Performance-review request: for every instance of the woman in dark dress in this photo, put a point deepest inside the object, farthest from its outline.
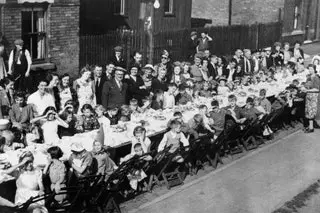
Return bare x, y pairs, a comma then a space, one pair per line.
136, 87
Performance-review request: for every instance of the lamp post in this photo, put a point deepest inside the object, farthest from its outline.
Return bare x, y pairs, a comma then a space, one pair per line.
149, 27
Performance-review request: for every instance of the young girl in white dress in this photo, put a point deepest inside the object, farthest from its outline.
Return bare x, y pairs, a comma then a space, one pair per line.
49, 123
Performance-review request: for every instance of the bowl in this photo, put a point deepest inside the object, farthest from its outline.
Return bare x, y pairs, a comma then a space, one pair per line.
4, 124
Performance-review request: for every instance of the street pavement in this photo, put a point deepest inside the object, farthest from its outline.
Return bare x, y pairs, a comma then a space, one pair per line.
257, 183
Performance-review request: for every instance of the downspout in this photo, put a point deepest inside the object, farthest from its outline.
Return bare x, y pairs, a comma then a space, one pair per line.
230, 13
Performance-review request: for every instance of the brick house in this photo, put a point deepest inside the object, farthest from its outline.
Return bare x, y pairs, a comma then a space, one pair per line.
101, 16
300, 18
49, 29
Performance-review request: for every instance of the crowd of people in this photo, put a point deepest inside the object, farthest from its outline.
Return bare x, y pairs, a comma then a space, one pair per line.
105, 95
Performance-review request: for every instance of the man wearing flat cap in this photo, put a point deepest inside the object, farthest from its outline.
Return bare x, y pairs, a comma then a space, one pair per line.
114, 92
19, 65
192, 45
117, 59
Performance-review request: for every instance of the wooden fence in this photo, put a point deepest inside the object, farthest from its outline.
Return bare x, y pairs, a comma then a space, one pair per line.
96, 49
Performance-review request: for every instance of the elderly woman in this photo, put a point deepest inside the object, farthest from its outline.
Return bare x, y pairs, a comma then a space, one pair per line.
56, 171
29, 184
84, 86
136, 86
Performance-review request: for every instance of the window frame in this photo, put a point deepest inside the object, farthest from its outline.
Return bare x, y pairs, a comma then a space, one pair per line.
171, 8
122, 7
33, 9
296, 17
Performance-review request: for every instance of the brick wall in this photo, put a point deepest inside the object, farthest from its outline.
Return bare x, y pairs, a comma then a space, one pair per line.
216, 10
62, 32
11, 24
251, 11
64, 36
243, 11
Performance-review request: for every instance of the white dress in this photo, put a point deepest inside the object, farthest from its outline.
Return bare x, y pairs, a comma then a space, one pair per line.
28, 186
50, 132
105, 123
85, 94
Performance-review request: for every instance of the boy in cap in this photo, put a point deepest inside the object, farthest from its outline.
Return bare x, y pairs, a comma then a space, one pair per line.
117, 59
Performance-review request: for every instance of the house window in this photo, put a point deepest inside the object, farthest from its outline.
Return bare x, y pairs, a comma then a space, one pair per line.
120, 7
168, 7
34, 32
296, 17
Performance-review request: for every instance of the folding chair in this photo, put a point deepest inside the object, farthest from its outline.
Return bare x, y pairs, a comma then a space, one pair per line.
155, 168
232, 133
248, 135
47, 198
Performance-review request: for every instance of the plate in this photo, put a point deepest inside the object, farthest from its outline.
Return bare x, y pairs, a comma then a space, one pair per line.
159, 117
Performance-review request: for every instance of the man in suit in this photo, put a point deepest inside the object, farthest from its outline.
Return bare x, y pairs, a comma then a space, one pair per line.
248, 63
212, 67
230, 72
99, 79
114, 92
297, 51
117, 59
192, 45
109, 71
137, 61
266, 60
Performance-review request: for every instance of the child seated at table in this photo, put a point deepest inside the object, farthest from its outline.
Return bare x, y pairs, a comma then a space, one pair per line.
207, 121
174, 137
222, 88
88, 120
250, 112
140, 137
234, 110
195, 124
157, 100
112, 115
183, 97
169, 97
218, 116
134, 107
137, 175
206, 90
49, 122
35, 135
184, 126
125, 113
264, 102
9, 143
71, 120
106, 165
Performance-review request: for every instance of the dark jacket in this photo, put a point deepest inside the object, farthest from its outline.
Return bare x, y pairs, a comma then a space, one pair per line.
212, 71
134, 90
98, 88
121, 63
112, 96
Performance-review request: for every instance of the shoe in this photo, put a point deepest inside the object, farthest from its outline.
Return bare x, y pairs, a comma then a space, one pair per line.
309, 130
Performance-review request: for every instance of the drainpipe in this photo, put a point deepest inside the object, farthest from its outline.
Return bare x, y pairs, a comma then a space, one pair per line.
230, 12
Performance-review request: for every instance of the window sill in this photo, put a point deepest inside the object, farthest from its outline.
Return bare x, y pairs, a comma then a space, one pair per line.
294, 32
169, 15
43, 66
119, 14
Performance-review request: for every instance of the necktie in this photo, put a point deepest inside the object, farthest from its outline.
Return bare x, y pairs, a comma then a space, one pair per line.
97, 83
120, 85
